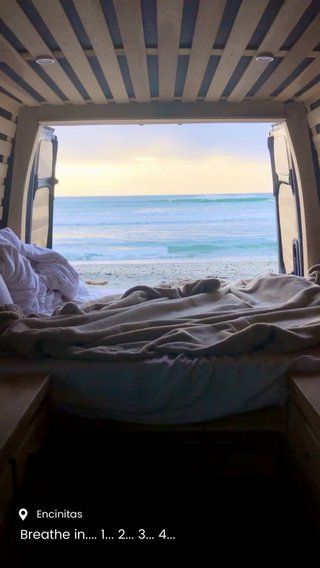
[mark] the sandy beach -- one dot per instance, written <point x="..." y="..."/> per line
<point x="116" y="243"/>
<point x="119" y="276"/>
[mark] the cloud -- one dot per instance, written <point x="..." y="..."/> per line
<point x="136" y="173"/>
<point x="109" y="143"/>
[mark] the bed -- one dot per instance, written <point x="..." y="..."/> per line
<point x="172" y="355"/>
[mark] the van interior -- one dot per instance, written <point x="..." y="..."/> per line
<point x="169" y="419"/>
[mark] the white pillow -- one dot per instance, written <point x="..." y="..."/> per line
<point x="5" y="297"/>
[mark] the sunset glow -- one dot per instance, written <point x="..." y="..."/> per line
<point x="163" y="159"/>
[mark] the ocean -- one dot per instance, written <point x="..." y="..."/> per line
<point x="124" y="241"/>
<point x="165" y="227"/>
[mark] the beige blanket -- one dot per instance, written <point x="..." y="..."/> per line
<point x="208" y="317"/>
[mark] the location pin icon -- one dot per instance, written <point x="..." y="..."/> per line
<point x="23" y="513"/>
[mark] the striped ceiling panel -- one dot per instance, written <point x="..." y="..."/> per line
<point x="142" y="50"/>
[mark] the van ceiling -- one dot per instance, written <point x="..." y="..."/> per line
<point x="160" y="50"/>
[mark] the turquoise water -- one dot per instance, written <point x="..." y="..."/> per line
<point x="166" y="227"/>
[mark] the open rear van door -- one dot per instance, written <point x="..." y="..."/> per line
<point x="287" y="203"/>
<point x="41" y="191"/>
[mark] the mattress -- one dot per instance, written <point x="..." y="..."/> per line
<point x="173" y="355"/>
<point x="163" y="390"/>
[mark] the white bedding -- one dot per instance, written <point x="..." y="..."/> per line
<point x="223" y="349"/>
<point x="38" y="279"/>
<point x="162" y="390"/>
<point x="273" y="313"/>
<point x="164" y="355"/>
<point x="169" y="390"/>
<point x="89" y="293"/>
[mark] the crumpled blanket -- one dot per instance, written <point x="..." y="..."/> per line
<point x="37" y="278"/>
<point x="272" y="313"/>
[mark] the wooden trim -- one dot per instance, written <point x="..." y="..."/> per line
<point x="304" y="454"/>
<point x="20" y="396"/>
<point x="17" y="21"/>
<point x="313" y="131"/>
<point x="171" y="112"/>
<point x="5" y="148"/>
<point x="2" y="189"/>
<point x="311" y="95"/>
<point x="169" y="20"/>
<point x="131" y="28"/>
<point x="303" y="79"/>
<point x="245" y="24"/>
<point x="94" y="23"/>
<point x="55" y="18"/>
<point x="169" y="17"/>
<point x="3" y="170"/>
<point x="17" y="91"/>
<point x="18" y="64"/>
<point x="7" y="127"/>
<point x="314" y="117"/>
<point x="89" y="52"/>
<point x="305" y="390"/>
<point x="285" y="21"/>
<point x="206" y="28"/>
<point x="307" y="41"/>
<point x="9" y="104"/>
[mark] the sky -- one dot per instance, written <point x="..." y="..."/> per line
<point x="163" y="159"/>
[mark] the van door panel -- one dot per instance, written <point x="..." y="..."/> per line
<point x="41" y="191"/>
<point x="287" y="204"/>
<point x="40" y="219"/>
<point x="288" y="225"/>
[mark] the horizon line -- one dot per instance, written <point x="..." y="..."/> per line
<point x="169" y="194"/>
